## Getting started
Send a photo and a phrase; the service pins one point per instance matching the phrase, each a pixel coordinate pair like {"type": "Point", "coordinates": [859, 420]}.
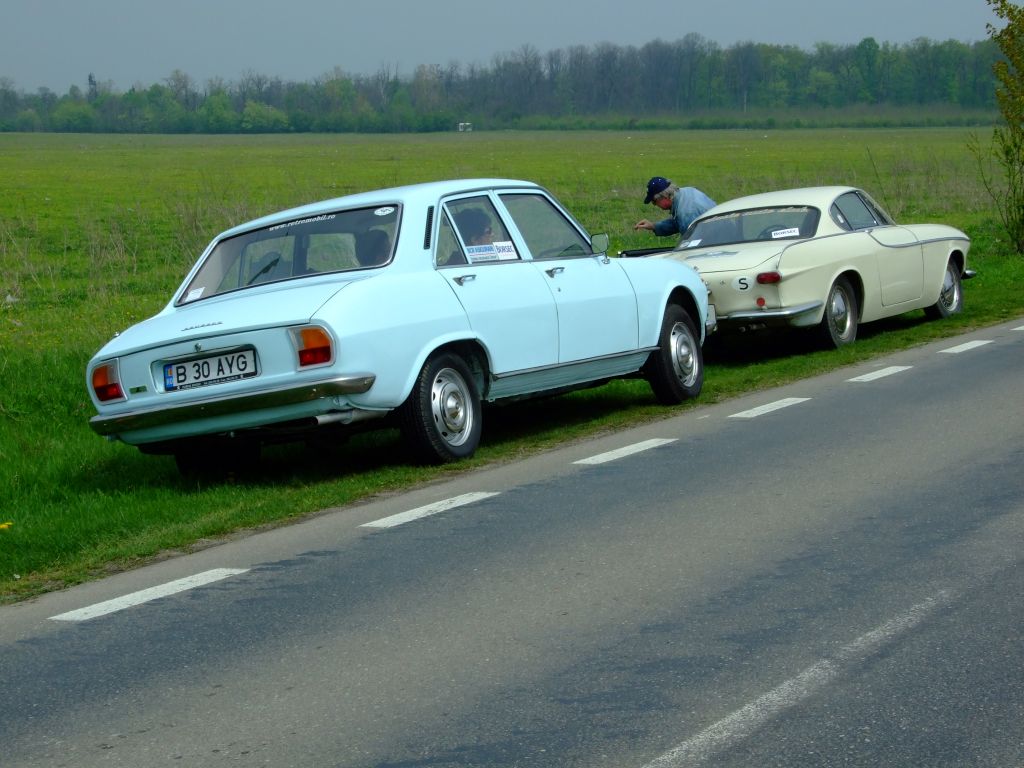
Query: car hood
{"type": "Point", "coordinates": [726, 258]}
{"type": "Point", "coordinates": [273, 306]}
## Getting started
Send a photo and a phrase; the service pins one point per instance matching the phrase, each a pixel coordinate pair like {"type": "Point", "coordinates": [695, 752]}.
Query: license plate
{"type": "Point", "coordinates": [215, 369]}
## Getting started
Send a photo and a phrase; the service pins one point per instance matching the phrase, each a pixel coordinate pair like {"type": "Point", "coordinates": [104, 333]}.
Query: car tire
{"type": "Point", "coordinates": [951, 295]}
{"type": "Point", "coordinates": [839, 322]}
{"type": "Point", "coordinates": [675, 370]}
{"type": "Point", "coordinates": [442, 417]}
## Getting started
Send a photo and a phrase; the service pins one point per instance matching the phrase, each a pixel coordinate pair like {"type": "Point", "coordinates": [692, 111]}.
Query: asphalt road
{"type": "Point", "coordinates": [828, 573]}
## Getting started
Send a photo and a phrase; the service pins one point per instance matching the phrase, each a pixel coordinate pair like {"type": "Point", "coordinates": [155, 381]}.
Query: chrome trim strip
{"type": "Point", "coordinates": [219, 406]}
{"type": "Point", "coordinates": [573, 364]}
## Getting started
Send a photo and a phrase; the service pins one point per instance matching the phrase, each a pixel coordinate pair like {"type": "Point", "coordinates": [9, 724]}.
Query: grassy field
{"type": "Point", "coordinates": [97, 231]}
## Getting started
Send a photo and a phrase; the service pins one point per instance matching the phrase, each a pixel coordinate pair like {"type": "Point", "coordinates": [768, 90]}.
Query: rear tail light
{"type": "Point", "coordinates": [769, 278]}
{"type": "Point", "coordinates": [106, 383]}
{"type": "Point", "coordinates": [313, 345]}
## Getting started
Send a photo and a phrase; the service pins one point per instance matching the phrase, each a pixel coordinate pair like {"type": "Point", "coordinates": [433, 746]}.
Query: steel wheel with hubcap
{"type": "Point", "coordinates": [675, 370]}
{"type": "Point", "coordinates": [442, 416]}
{"type": "Point", "coordinates": [951, 296]}
{"type": "Point", "coordinates": [839, 323]}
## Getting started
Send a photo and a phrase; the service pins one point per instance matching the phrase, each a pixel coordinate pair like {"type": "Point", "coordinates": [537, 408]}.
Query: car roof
{"type": "Point", "coordinates": [818, 197]}
{"type": "Point", "coordinates": [421, 195]}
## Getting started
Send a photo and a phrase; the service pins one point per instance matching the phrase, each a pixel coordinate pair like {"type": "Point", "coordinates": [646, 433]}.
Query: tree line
{"type": "Point", "coordinates": [687, 83]}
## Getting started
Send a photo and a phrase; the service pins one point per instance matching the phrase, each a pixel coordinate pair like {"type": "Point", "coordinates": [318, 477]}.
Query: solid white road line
{"type": "Point", "coordinates": [964, 347]}
{"type": "Point", "coordinates": [882, 373]}
{"type": "Point", "coordinates": [429, 509]}
{"type": "Point", "coordinates": [748, 719]}
{"type": "Point", "coordinates": [763, 409]}
{"type": "Point", "coordinates": [145, 595]}
{"type": "Point", "coordinates": [628, 450]}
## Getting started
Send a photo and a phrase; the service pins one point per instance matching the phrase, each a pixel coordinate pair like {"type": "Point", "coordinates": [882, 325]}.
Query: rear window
{"type": "Point", "coordinates": [753, 225]}
{"type": "Point", "coordinates": [362, 238]}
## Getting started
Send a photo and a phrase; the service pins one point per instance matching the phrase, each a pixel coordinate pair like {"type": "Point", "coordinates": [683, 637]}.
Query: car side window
{"type": "Point", "coordinates": [547, 232]}
{"type": "Point", "coordinates": [850, 212]}
{"type": "Point", "coordinates": [481, 235]}
{"type": "Point", "coordinates": [449, 249]}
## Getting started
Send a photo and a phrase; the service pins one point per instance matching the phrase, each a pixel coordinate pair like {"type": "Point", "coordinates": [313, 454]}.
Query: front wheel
{"type": "Point", "coordinates": [951, 296]}
{"type": "Point", "coordinates": [675, 370]}
{"type": "Point", "coordinates": [442, 417]}
{"type": "Point", "coordinates": [839, 323]}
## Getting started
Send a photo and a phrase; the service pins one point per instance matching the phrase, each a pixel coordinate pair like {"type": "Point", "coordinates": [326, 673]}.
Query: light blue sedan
{"type": "Point", "coordinates": [417, 303]}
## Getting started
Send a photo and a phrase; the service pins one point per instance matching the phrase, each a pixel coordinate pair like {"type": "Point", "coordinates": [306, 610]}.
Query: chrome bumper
{"type": "Point", "coordinates": [159, 416]}
{"type": "Point", "coordinates": [770, 315]}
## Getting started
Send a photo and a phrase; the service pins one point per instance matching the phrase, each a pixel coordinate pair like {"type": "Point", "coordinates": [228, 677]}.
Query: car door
{"type": "Point", "coordinates": [597, 312]}
{"type": "Point", "coordinates": [509, 305]}
{"type": "Point", "coordinates": [897, 254]}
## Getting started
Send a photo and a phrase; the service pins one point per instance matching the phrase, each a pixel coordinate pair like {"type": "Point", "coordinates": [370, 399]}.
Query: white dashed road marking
{"type": "Point", "coordinates": [964, 347]}
{"type": "Point", "coordinates": [882, 373]}
{"type": "Point", "coordinates": [628, 450]}
{"type": "Point", "coordinates": [429, 509]}
{"type": "Point", "coordinates": [748, 719]}
{"type": "Point", "coordinates": [761, 410]}
{"type": "Point", "coordinates": [145, 595]}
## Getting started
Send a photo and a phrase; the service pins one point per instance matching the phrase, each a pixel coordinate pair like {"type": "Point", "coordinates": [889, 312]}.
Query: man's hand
{"type": "Point", "coordinates": [644, 224]}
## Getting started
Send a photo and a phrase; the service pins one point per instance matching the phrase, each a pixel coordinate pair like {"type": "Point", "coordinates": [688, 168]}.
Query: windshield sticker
{"type": "Point", "coordinates": [311, 220]}
{"type": "Point", "coordinates": [791, 232]}
{"type": "Point", "coordinates": [689, 244]}
{"type": "Point", "coordinates": [194, 294]}
{"type": "Point", "coordinates": [384, 211]}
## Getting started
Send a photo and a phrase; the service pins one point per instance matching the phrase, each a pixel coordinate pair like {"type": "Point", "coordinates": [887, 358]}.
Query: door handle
{"type": "Point", "coordinates": [462, 279]}
{"type": "Point", "coordinates": [555, 271]}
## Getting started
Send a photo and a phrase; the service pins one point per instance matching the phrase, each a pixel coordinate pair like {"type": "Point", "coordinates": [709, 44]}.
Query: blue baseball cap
{"type": "Point", "coordinates": [655, 186]}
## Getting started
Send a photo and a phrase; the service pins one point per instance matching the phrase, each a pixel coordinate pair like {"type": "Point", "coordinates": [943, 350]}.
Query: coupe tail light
{"type": "Point", "coordinates": [105, 383]}
{"type": "Point", "coordinates": [313, 345]}
{"type": "Point", "coordinates": [769, 278]}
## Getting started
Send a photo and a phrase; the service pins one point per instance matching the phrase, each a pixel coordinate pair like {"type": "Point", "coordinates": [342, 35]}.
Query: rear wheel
{"type": "Point", "coordinates": [442, 417]}
{"type": "Point", "coordinates": [839, 323]}
{"type": "Point", "coordinates": [951, 296]}
{"type": "Point", "coordinates": [675, 370]}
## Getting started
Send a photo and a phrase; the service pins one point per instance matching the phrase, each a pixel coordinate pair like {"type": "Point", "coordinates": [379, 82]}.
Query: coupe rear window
{"type": "Point", "coordinates": [753, 225]}
{"type": "Point", "coordinates": [362, 238]}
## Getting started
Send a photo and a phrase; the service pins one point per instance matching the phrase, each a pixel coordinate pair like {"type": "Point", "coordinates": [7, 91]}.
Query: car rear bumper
{"type": "Point", "coordinates": [160, 416]}
{"type": "Point", "coordinates": [781, 316]}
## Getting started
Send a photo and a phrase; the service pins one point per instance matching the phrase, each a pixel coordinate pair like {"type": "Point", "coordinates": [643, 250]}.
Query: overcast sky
{"type": "Point", "coordinates": [57, 43]}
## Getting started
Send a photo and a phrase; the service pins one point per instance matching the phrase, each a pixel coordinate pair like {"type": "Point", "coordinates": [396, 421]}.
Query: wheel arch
{"type": "Point", "coordinates": [471, 350]}
{"type": "Point", "coordinates": [682, 297]}
{"type": "Point", "coordinates": [957, 255]}
{"type": "Point", "coordinates": [856, 281]}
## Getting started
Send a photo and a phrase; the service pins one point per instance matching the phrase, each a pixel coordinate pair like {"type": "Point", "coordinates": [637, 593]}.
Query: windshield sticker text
{"type": "Point", "coordinates": [311, 220]}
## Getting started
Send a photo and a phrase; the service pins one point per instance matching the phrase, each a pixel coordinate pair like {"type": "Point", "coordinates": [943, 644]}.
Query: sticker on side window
{"type": "Point", "coordinates": [500, 251]}
{"type": "Point", "coordinates": [478, 254]}
{"type": "Point", "coordinates": [505, 250]}
{"type": "Point", "coordinates": [791, 232]}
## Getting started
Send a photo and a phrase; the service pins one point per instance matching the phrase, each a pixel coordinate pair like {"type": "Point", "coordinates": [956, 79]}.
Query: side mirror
{"type": "Point", "coordinates": [599, 243]}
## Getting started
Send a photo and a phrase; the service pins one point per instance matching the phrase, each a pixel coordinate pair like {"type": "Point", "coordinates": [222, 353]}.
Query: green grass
{"type": "Point", "coordinates": [97, 231]}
